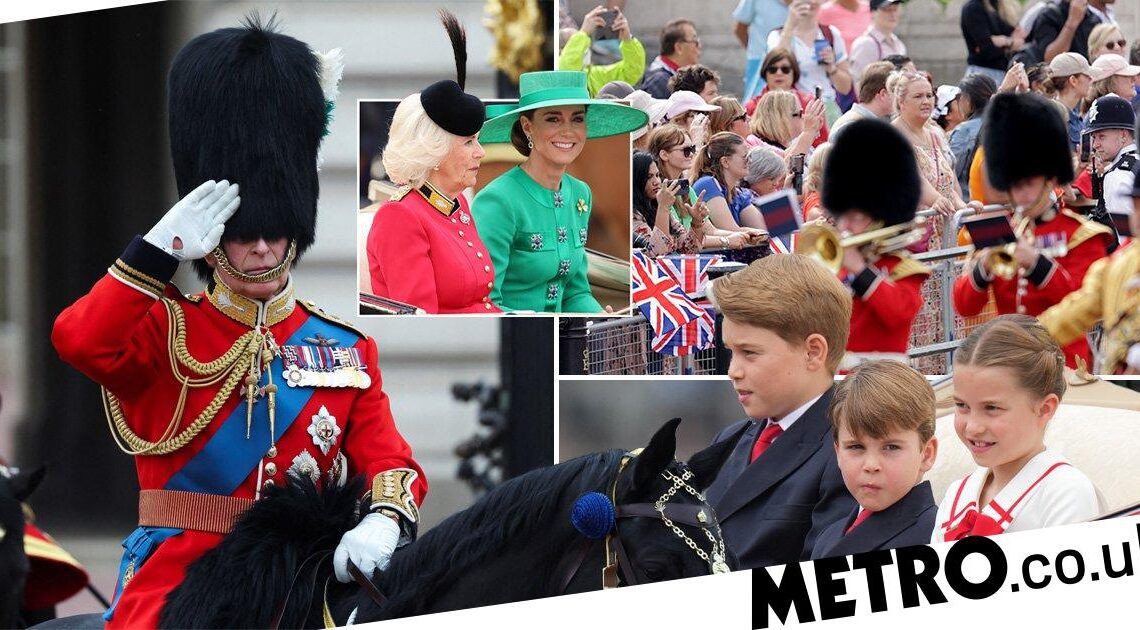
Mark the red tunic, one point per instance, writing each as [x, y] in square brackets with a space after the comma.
[888, 296]
[1048, 282]
[430, 258]
[117, 335]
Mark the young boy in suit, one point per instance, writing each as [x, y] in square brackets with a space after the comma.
[786, 320]
[882, 418]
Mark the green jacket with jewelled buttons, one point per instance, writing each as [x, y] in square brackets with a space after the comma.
[537, 241]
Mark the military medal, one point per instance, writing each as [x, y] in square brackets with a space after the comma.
[324, 430]
[324, 366]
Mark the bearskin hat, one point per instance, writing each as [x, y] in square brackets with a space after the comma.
[1023, 136]
[246, 105]
[872, 169]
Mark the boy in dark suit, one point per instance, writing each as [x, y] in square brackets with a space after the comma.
[786, 320]
[882, 416]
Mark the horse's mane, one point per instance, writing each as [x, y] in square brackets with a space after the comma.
[512, 511]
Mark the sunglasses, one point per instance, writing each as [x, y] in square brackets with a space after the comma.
[688, 151]
[797, 114]
[1120, 43]
[740, 117]
[780, 69]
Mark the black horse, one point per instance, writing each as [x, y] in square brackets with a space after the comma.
[516, 543]
[14, 566]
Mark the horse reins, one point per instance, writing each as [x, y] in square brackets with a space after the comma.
[670, 514]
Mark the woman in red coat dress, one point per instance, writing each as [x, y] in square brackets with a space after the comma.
[423, 248]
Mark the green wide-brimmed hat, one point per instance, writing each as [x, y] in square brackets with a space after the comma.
[557, 89]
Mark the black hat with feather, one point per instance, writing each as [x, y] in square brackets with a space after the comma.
[251, 106]
[445, 102]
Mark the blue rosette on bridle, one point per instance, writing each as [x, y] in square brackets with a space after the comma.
[593, 515]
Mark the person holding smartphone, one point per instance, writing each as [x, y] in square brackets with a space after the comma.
[601, 19]
[821, 54]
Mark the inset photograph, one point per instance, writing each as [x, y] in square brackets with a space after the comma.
[498, 207]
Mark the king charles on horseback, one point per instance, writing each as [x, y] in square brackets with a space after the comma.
[223, 394]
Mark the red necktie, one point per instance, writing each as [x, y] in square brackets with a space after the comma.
[858, 519]
[769, 434]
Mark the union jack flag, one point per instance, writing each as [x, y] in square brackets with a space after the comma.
[680, 325]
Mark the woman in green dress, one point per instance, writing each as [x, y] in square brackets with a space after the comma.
[534, 219]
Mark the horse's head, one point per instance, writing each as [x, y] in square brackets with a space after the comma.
[664, 527]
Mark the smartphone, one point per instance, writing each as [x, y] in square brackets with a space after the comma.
[798, 161]
[820, 45]
[818, 92]
[684, 186]
[1086, 147]
[607, 31]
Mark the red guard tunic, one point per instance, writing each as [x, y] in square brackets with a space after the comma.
[423, 249]
[118, 335]
[1069, 244]
[888, 296]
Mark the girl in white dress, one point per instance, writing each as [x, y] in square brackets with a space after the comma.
[1008, 382]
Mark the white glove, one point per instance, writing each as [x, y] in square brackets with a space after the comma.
[369, 545]
[194, 226]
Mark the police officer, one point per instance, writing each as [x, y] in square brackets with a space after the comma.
[1110, 123]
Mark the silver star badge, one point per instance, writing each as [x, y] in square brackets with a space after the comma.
[324, 430]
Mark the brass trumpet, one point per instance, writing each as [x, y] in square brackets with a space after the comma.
[825, 244]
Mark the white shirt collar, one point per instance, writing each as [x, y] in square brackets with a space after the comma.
[787, 421]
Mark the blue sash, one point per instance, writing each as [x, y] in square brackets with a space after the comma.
[228, 458]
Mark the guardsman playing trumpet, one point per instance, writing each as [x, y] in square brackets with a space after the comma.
[1111, 294]
[222, 395]
[885, 281]
[1027, 155]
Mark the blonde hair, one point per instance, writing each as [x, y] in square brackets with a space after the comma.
[880, 397]
[898, 83]
[1100, 35]
[791, 296]
[813, 178]
[416, 145]
[1020, 343]
[773, 116]
[721, 119]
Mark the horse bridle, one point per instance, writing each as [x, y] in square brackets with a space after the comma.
[670, 515]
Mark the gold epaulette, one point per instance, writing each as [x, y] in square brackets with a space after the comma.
[909, 267]
[313, 309]
[1088, 229]
[400, 193]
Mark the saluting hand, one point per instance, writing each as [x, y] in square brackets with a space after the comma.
[194, 226]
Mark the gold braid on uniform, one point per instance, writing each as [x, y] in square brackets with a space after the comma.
[247, 357]
[392, 492]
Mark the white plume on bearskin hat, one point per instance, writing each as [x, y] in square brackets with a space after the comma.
[246, 105]
[872, 169]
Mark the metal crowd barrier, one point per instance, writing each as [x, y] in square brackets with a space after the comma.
[622, 345]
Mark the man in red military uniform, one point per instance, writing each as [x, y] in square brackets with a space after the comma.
[1027, 155]
[223, 394]
[887, 285]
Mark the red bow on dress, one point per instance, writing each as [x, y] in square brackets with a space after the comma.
[974, 524]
